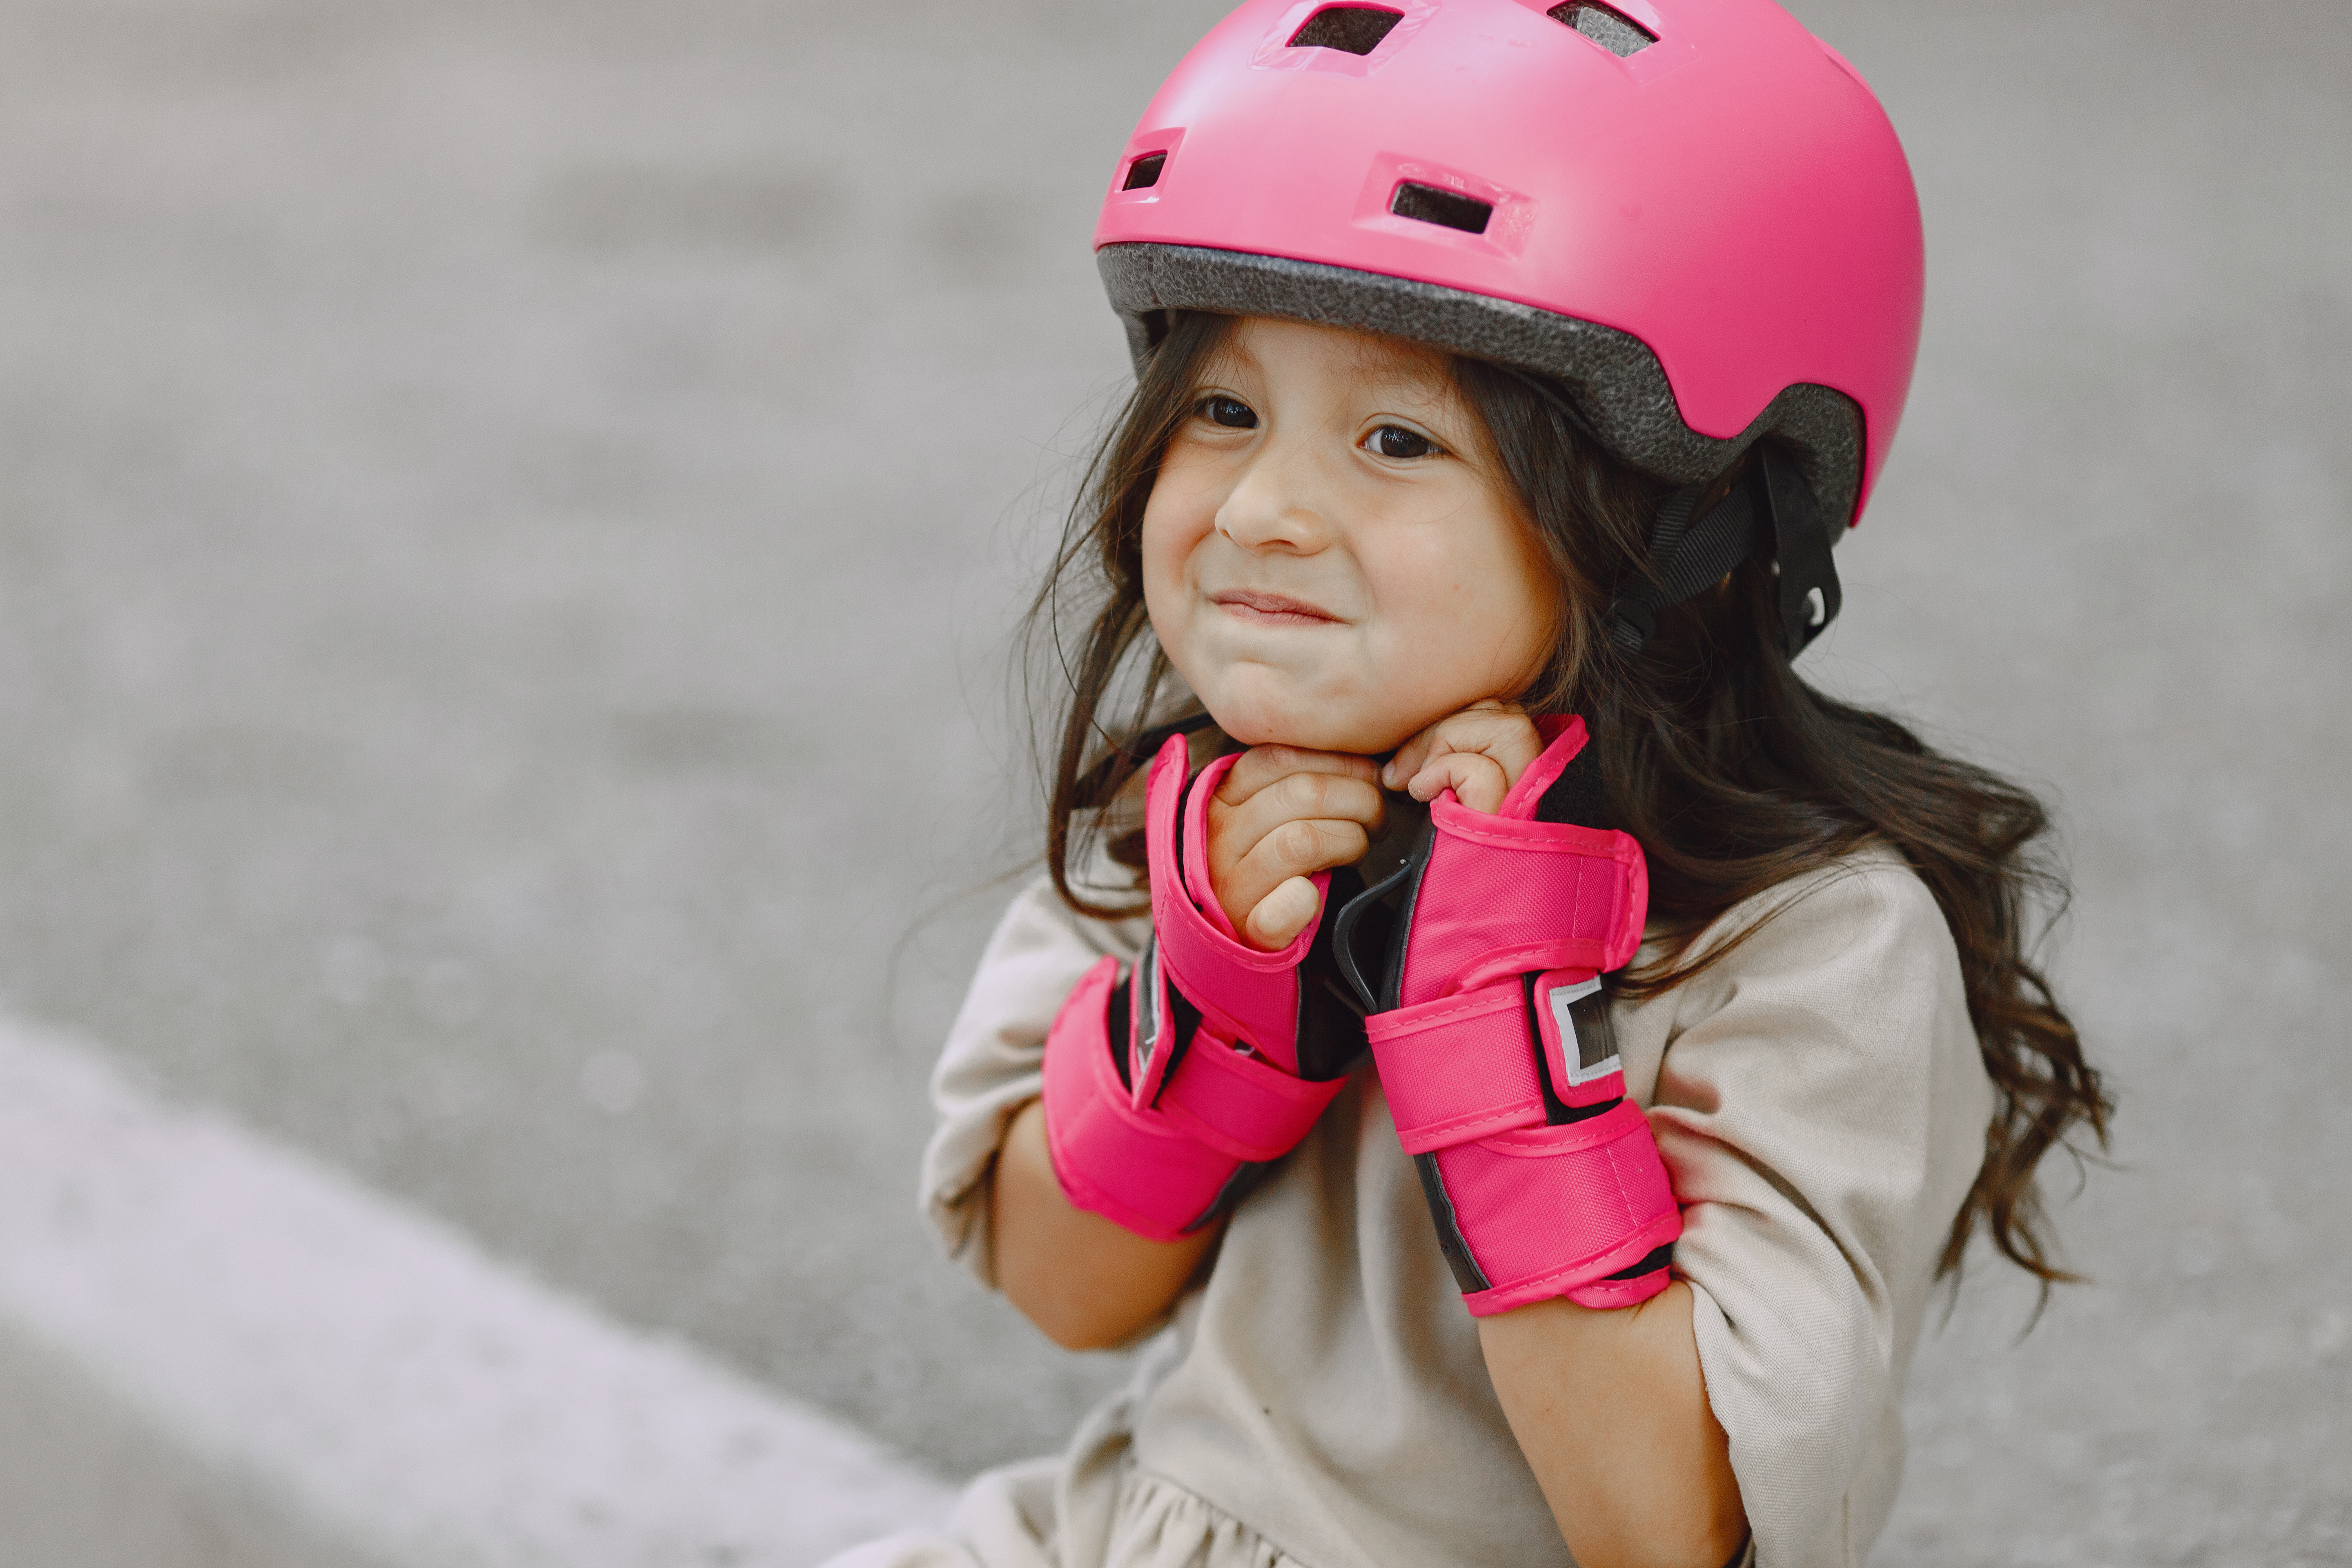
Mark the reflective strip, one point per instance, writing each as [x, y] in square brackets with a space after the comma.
[1571, 1013]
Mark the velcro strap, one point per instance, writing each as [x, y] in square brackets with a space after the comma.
[1130, 1166]
[1551, 1210]
[1458, 1069]
[1505, 897]
[1240, 1104]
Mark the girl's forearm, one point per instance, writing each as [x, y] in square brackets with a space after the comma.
[1611, 1410]
[1083, 1280]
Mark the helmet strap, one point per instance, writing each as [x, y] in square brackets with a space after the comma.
[1809, 596]
[1772, 510]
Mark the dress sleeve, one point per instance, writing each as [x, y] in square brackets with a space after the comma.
[990, 1067]
[1821, 1106]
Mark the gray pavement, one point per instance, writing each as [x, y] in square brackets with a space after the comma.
[219, 1353]
[509, 515]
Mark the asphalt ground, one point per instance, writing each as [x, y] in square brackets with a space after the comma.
[510, 515]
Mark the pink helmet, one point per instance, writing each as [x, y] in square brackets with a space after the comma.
[1692, 214]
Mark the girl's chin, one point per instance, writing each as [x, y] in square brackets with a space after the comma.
[1300, 724]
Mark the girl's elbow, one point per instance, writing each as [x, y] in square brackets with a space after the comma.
[1079, 1333]
[1709, 1531]
[1720, 1545]
[1071, 1322]
[1697, 1543]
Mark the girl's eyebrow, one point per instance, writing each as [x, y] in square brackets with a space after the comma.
[1229, 356]
[1407, 362]
[1414, 377]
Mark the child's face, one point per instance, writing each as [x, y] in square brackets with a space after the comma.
[1328, 558]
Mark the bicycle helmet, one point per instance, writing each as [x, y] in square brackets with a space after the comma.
[1690, 215]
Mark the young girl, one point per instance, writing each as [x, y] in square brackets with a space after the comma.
[1530, 1052]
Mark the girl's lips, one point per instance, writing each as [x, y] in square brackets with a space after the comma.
[1280, 608]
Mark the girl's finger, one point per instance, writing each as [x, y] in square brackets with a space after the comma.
[1414, 753]
[1477, 781]
[1304, 845]
[1244, 866]
[1293, 852]
[1503, 733]
[1235, 831]
[1281, 915]
[1262, 766]
[1455, 732]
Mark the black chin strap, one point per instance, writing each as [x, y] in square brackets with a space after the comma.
[1771, 512]
[1801, 537]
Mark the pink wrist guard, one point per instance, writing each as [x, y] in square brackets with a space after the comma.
[1492, 1039]
[1165, 1091]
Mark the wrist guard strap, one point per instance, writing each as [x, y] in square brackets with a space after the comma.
[1164, 1092]
[1496, 1054]
[1165, 1167]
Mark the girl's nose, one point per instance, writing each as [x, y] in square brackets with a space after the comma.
[1275, 504]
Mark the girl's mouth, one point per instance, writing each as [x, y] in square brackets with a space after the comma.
[1274, 609]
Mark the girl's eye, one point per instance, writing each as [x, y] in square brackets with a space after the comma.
[1229, 412]
[1396, 441]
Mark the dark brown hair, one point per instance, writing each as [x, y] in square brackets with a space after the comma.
[1732, 773]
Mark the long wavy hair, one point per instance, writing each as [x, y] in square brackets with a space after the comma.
[1732, 773]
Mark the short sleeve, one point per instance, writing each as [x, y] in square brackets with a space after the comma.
[1822, 1107]
[991, 1065]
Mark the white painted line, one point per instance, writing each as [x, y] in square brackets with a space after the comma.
[372, 1369]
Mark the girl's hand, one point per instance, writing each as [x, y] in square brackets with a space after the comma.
[1478, 753]
[1280, 816]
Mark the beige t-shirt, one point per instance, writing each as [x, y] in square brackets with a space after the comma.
[1820, 1104]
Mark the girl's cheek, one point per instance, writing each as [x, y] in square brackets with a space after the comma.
[1167, 541]
[1473, 599]
[1186, 495]
[1180, 513]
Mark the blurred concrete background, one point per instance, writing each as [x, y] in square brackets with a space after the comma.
[509, 515]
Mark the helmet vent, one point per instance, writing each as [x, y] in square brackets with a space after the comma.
[1144, 173]
[1431, 204]
[1618, 33]
[1356, 29]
